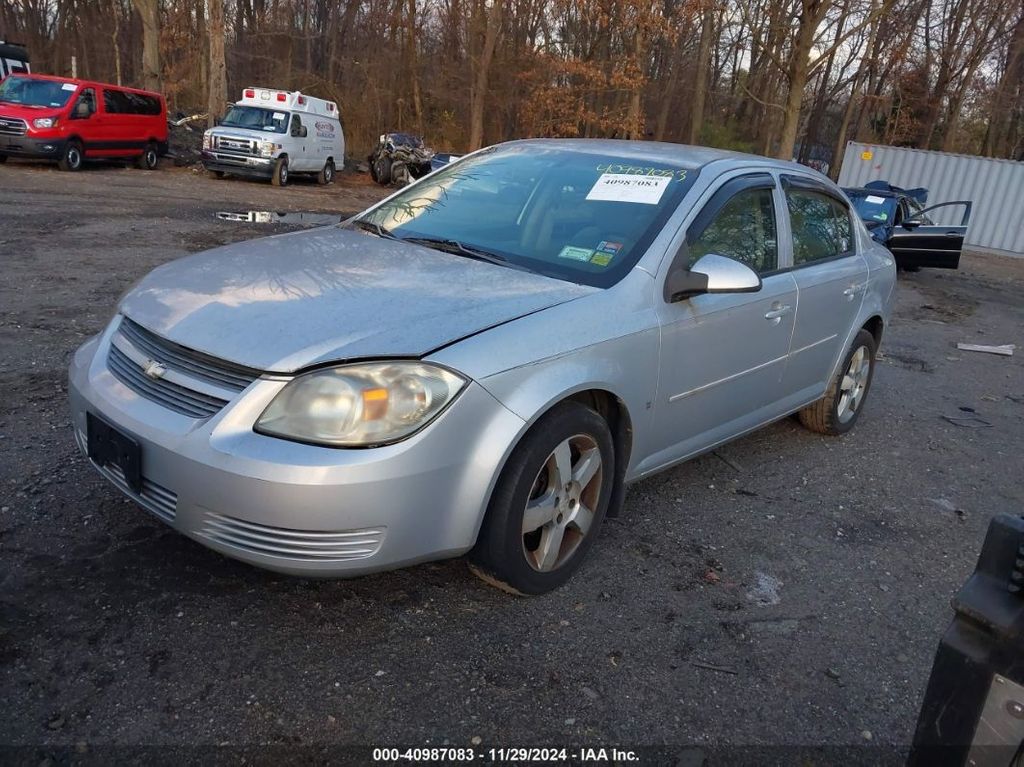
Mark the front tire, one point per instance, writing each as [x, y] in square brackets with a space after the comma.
[548, 504]
[838, 411]
[382, 171]
[326, 174]
[149, 159]
[218, 174]
[280, 177]
[71, 158]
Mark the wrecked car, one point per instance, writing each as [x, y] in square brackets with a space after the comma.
[480, 363]
[898, 219]
[399, 158]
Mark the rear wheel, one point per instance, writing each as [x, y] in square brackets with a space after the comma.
[326, 174]
[548, 504]
[280, 177]
[838, 410]
[71, 158]
[150, 157]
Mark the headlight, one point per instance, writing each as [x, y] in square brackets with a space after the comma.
[267, 148]
[360, 405]
[44, 122]
[208, 140]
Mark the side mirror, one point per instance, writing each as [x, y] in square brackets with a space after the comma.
[711, 274]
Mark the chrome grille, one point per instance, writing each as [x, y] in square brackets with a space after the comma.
[170, 395]
[192, 383]
[281, 542]
[10, 126]
[155, 499]
[201, 365]
[228, 145]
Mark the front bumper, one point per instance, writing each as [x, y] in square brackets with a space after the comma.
[257, 167]
[24, 146]
[297, 508]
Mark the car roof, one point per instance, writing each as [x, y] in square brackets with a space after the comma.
[687, 156]
[90, 83]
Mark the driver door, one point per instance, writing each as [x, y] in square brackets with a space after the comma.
[920, 241]
[723, 355]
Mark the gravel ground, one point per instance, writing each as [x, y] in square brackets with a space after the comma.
[789, 589]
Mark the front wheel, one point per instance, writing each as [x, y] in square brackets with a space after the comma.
[326, 174]
[150, 157]
[838, 410]
[549, 503]
[280, 177]
[71, 158]
[218, 174]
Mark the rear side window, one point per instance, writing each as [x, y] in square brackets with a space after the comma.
[743, 230]
[117, 102]
[821, 226]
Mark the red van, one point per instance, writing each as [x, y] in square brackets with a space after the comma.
[71, 121]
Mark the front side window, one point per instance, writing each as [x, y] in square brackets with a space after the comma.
[85, 106]
[256, 118]
[36, 93]
[572, 214]
[820, 224]
[743, 230]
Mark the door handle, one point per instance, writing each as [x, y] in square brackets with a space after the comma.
[778, 313]
[853, 290]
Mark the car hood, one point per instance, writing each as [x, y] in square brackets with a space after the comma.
[27, 111]
[286, 302]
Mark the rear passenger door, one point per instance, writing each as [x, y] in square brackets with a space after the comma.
[831, 278]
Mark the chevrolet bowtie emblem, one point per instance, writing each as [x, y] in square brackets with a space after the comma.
[154, 369]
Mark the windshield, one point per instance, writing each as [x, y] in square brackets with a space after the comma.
[256, 118]
[574, 215]
[873, 208]
[36, 93]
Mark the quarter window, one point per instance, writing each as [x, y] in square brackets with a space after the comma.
[743, 230]
[821, 226]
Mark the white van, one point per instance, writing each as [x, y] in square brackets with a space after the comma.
[274, 134]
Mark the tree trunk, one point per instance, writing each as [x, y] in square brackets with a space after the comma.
[218, 86]
[700, 86]
[478, 95]
[149, 12]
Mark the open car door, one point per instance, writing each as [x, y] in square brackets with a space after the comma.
[920, 241]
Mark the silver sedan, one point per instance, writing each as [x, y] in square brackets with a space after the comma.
[482, 362]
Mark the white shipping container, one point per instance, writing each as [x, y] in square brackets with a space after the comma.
[995, 186]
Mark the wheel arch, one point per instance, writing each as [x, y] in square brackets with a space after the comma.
[875, 325]
[608, 405]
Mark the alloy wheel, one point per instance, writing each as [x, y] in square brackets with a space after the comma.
[854, 384]
[562, 503]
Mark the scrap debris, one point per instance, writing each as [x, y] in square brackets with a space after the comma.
[1004, 350]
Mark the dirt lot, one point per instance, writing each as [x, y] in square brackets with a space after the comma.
[814, 573]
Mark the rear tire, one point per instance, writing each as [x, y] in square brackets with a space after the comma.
[72, 157]
[838, 411]
[149, 159]
[326, 174]
[280, 177]
[548, 504]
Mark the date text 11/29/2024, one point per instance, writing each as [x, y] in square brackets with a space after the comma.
[449, 754]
